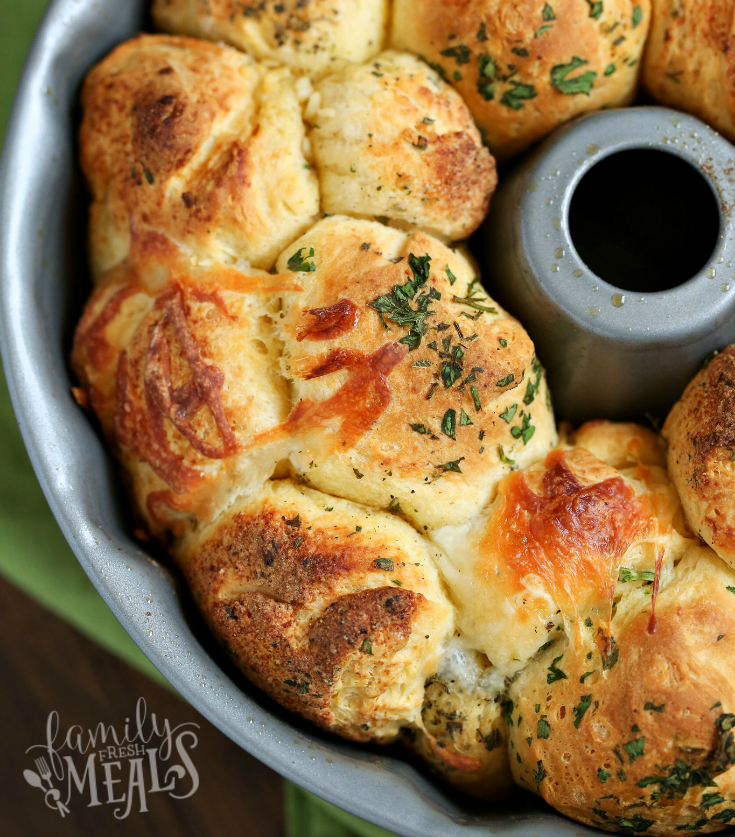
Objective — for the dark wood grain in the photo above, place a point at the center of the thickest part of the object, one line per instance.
(47, 665)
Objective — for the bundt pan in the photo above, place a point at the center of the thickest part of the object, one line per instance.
(43, 282)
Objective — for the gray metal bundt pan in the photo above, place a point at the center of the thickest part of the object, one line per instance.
(43, 282)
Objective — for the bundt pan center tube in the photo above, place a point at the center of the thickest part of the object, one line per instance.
(613, 244)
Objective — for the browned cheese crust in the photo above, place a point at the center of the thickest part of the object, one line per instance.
(181, 377)
(196, 142)
(638, 739)
(700, 431)
(688, 63)
(422, 423)
(526, 67)
(333, 609)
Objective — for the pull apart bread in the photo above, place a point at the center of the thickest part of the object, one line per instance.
(349, 450)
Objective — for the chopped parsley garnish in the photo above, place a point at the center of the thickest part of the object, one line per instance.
(481, 33)
(634, 748)
(731, 589)
(148, 176)
(637, 824)
(297, 543)
(451, 371)
(508, 413)
(508, 712)
(298, 263)
(474, 299)
(554, 672)
(548, 13)
(523, 431)
(533, 386)
(595, 8)
(514, 97)
(476, 398)
(367, 647)
(449, 424)
(651, 708)
(539, 774)
(579, 710)
(486, 79)
(543, 728)
(451, 466)
(422, 364)
(503, 457)
(384, 563)
(624, 575)
(603, 775)
(710, 799)
(419, 428)
(464, 419)
(586, 675)
(508, 379)
(358, 474)
(396, 305)
(572, 86)
(461, 54)
(637, 16)
(610, 69)
(452, 278)
(295, 522)
(542, 31)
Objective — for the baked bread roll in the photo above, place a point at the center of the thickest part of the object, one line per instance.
(700, 431)
(526, 67)
(688, 61)
(182, 377)
(642, 743)
(545, 553)
(196, 142)
(308, 36)
(414, 391)
(462, 735)
(334, 609)
(391, 140)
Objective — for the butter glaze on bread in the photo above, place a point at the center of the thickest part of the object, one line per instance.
(526, 66)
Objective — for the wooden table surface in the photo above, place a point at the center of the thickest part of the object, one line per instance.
(47, 665)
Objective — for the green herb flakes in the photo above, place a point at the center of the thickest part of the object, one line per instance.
(452, 278)
(461, 54)
(637, 16)
(581, 708)
(635, 748)
(539, 774)
(476, 398)
(572, 86)
(419, 428)
(603, 775)
(547, 13)
(464, 419)
(508, 413)
(554, 672)
(300, 264)
(610, 69)
(384, 563)
(595, 8)
(625, 575)
(523, 431)
(367, 647)
(543, 728)
(503, 457)
(508, 379)
(514, 98)
(451, 466)
(486, 78)
(449, 424)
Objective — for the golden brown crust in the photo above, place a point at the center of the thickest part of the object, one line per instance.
(700, 431)
(181, 379)
(391, 140)
(522, 66)
(550, 547)
(194, 141)
(310, 36)
(426, 435)
(644, 744)
(334, 609)
(689, 63)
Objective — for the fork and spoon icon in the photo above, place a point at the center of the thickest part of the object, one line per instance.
(36, 780)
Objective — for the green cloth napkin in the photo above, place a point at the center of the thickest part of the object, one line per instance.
(34, 554)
